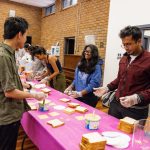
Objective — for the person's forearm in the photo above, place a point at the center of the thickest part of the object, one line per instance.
(53, 75)
(84, 92)
(45, 74)
(17, 94)
(113, 85)
(71, 86)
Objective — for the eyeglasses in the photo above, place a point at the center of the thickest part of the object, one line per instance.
(88, 52)
(127, 45)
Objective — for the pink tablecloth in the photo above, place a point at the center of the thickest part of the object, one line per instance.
(68, 136)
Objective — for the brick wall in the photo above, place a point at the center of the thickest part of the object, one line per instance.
(86, 18)
(31, 14)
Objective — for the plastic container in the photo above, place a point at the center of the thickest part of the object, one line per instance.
(92, 121)
(141, 135)
(43, 106)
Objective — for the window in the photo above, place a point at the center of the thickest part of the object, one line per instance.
(69, 45)
(145, 36)
(67, 3)
(50, 9)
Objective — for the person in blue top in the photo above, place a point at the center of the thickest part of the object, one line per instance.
(87, 76)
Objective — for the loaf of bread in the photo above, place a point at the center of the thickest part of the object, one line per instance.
(127, 124)
(92, 141)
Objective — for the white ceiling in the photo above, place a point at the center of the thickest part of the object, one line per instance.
(37, 3)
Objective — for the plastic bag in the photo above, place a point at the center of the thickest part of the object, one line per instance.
(107, 98)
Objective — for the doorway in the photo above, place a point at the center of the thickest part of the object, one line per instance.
(69, 45)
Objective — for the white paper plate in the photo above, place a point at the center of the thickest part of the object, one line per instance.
(112, 134)
(59, 107)
(122, 145)
(116, 139)
(112, 141)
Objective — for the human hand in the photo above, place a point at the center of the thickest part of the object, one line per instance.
(38, 95)
(100, 91)
(129, 101)
(76, 94)
(38, 73)
(38, 78)
(45, 80)
(68, 90)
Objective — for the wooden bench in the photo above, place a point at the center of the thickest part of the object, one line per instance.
(69, 73)
(70, 63)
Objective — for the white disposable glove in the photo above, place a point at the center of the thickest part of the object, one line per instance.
(100, 91)
(38, 95)
(129, 101)
(68, 90)
(37, 73)
(76, 94)
(45, 80)
(38, 78)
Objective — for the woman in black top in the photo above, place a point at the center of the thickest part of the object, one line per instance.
(54, 74)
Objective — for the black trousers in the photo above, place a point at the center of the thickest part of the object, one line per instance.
(89, 99)
(8, 136)
(118, 111)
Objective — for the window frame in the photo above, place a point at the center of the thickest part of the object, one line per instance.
(51, 11)
(70, 3)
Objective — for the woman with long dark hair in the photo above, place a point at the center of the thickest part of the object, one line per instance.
(54, 74)
(87, 76)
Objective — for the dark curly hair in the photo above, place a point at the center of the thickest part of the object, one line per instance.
(131, 30)
(90, 66)
(36, 50)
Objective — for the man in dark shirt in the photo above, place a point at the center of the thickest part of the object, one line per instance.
(133, 81)
(12, 96)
